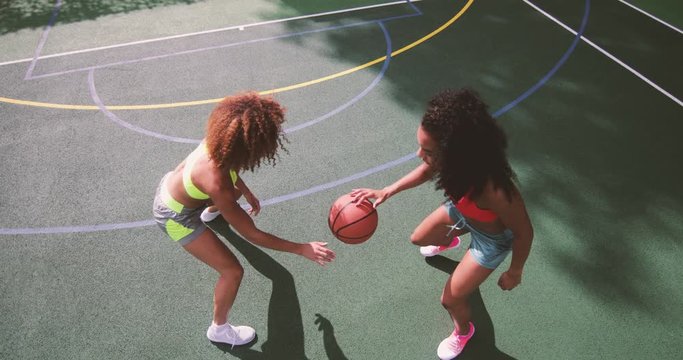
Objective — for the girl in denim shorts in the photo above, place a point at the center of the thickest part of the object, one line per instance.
(463, 149)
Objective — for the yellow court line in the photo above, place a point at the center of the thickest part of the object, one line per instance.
(264, 92)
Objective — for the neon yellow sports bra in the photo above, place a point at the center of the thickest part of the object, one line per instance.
(190, 188)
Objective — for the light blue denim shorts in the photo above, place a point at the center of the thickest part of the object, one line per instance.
(489, 250)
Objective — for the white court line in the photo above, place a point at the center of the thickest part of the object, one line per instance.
(651, 16)
(614, 58)
(210, 31)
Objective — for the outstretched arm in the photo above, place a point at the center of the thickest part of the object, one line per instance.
(224, 199)
(418, 176)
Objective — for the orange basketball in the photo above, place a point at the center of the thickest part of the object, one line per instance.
(352, 223)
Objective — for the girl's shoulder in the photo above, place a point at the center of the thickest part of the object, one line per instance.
(496, 195)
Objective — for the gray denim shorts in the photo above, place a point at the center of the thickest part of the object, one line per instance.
(489, 250)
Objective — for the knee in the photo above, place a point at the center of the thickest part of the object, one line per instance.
(416, 238)
(452, 301)
(234, 273)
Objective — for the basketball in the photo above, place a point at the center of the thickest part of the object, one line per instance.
(352, 223)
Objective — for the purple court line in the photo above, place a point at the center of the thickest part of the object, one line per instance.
(113, 117)
(212, 31)
(209, 48)
(127, 125)
(43, 39)
(309, 191)
(378, 78)
(418, 11)
(555, 68)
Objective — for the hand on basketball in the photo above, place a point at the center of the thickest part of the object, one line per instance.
(317, 251)
(509, 280)
(361, 195)
(253, 202)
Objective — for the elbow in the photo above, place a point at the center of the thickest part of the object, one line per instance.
(254, 235)
(524, 236)
(414, 239)
(251, 233)
(530, 234)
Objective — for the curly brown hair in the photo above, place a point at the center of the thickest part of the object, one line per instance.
(471, 144)
(245, 130)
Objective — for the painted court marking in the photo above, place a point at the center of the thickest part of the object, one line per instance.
(239, 27)
(216, 47)
(272, 91)
(651, 16)
(322, 187)
(43, 39)
(127, 125)
(91, 228)
(612, 57)
(266, 92)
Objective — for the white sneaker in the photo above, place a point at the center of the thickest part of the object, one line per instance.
(432, 250)
(207, 215)
(452, 346)
(228, 334)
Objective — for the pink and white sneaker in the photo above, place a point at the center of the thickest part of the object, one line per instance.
(432, 250)
(452, 346)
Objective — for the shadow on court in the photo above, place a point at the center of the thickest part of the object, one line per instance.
(483, 343)
(583, 161)
(332, 349)
(23, 14)
(285, 338)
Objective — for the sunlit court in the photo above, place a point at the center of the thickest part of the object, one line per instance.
(349, 160)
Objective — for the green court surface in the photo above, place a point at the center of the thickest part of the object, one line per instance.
(100, 99)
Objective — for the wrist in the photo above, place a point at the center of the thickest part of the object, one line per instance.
(388, 192)
(515, 271)
(299, 249)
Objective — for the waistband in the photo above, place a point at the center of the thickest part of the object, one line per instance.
(168, 200)
(461, 223)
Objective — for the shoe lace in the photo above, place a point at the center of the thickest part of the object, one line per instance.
(454, 343)
(232, 333)
(457, 226)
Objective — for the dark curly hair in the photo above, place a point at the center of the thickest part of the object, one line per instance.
(245, 130)
(471, 145)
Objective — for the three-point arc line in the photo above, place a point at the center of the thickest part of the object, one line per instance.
(329, 185)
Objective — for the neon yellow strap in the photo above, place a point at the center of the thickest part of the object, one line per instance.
(190, 187)
(233, 177)
(172, 203)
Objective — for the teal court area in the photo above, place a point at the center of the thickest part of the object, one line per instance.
(100, 99)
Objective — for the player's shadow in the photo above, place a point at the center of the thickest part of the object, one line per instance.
(483, 343)
(332, 349)
(285, 338)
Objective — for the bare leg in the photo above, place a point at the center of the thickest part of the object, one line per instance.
(466, 278)
(210, 250)
(434, 229)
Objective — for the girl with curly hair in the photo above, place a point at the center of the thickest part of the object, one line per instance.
(243, 131)
(463, 149)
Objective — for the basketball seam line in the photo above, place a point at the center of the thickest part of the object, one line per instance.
(347, 225)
